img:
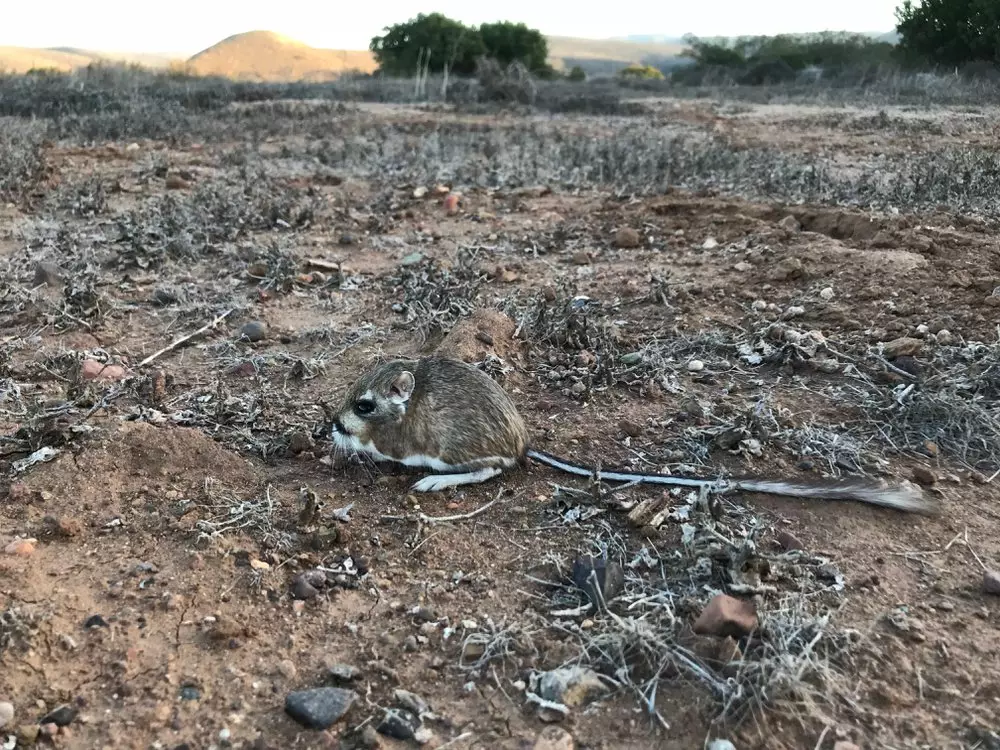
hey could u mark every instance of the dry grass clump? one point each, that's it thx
(640, 639)
(22, 161)
(433, 296)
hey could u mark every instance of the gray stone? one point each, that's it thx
(319, 708)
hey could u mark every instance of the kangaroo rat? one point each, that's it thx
(454, 419)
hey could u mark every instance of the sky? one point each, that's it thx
(188, 26)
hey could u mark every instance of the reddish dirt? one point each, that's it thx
(119, 516)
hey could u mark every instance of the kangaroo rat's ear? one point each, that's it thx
(401, 388)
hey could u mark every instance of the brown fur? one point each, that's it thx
(456, 413)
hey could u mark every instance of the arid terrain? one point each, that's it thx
(267, 56)
(707, 287)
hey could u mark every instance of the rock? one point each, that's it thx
(721, 745)
(743, 267)
(254, 330)
(991, 582)
(21, 547)
(790, 223)
(902, 347)
(554, 738)
(48, 274)
(398, 724)
(369, 738)
(413, 259)
(923, 475)
(844, 745)
(411, 702)
(419, 192)
(176, 182)
(91, 369)
(319, 708)
(303, 588)
(826, 293)
(883, 239)
(630, 428)
(626, 237)
(346, 239)
(190, 693)
(28, 733)
(571, 686)
(788, 541)
(286, 668)
(450, 203)
(710, 243)
(343, 673)
(944, 337)
(6, 713)
(581, 258)
(95, 621)
(299, 442)
(610, 579)
(61, 716)
(787, 269)
(726, 615)
(695, 365)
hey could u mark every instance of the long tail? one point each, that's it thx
(906, 497)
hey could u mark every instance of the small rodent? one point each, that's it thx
(453, 419)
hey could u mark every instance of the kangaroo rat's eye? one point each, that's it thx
(364, 407)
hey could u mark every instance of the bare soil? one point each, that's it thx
(173, 508)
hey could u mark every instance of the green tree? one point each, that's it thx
(577, 73)
(949, 32)
(508, 42)
(404, 47)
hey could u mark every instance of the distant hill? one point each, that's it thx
(266, 56)
(607, 56)
(23, 59)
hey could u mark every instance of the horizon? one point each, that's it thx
(113, 26)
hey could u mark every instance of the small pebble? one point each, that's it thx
(721, 745)
(991, 582)
(710, 243)
(695, 365)
(944, 337)
(343, 672)
(21, 547)
(254, 330)
(826, 293)
(61, 716)
(626, 237)
(6, 713)
(923, 475)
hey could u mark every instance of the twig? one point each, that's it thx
(462, 736)
(424, 518)
(188, 337)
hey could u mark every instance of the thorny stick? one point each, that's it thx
(188, 337)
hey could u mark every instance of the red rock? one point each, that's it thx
(21, 547)
(726, 616)
(451, 203)
(93, 370)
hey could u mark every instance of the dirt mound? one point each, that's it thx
(136, 457)
(266, 56)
